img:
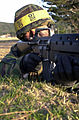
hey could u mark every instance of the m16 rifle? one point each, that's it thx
(49, 47)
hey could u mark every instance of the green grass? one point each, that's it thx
(29, 100)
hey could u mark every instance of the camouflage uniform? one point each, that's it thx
(10, 64)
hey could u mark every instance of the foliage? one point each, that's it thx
(7, 28)
(65, 11)
(28, 100)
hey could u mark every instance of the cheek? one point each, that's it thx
(27, 35)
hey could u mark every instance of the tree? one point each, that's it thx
(64, 11)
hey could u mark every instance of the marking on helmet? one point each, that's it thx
(31, 16)
(20, 25)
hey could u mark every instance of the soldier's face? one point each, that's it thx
(29, 35)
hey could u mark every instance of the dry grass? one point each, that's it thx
(3, 52)
(5, 47)
(9, 38)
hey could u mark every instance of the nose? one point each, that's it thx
(32, 33)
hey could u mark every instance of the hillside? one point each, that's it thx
(7, 28)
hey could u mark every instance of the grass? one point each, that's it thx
(28, 100)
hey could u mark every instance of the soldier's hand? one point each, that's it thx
(29, 62)
(66, 71)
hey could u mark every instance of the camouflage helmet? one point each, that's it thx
(30, 17)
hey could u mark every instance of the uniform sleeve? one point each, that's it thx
(10, 65)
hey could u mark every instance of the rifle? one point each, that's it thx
(50, 47)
